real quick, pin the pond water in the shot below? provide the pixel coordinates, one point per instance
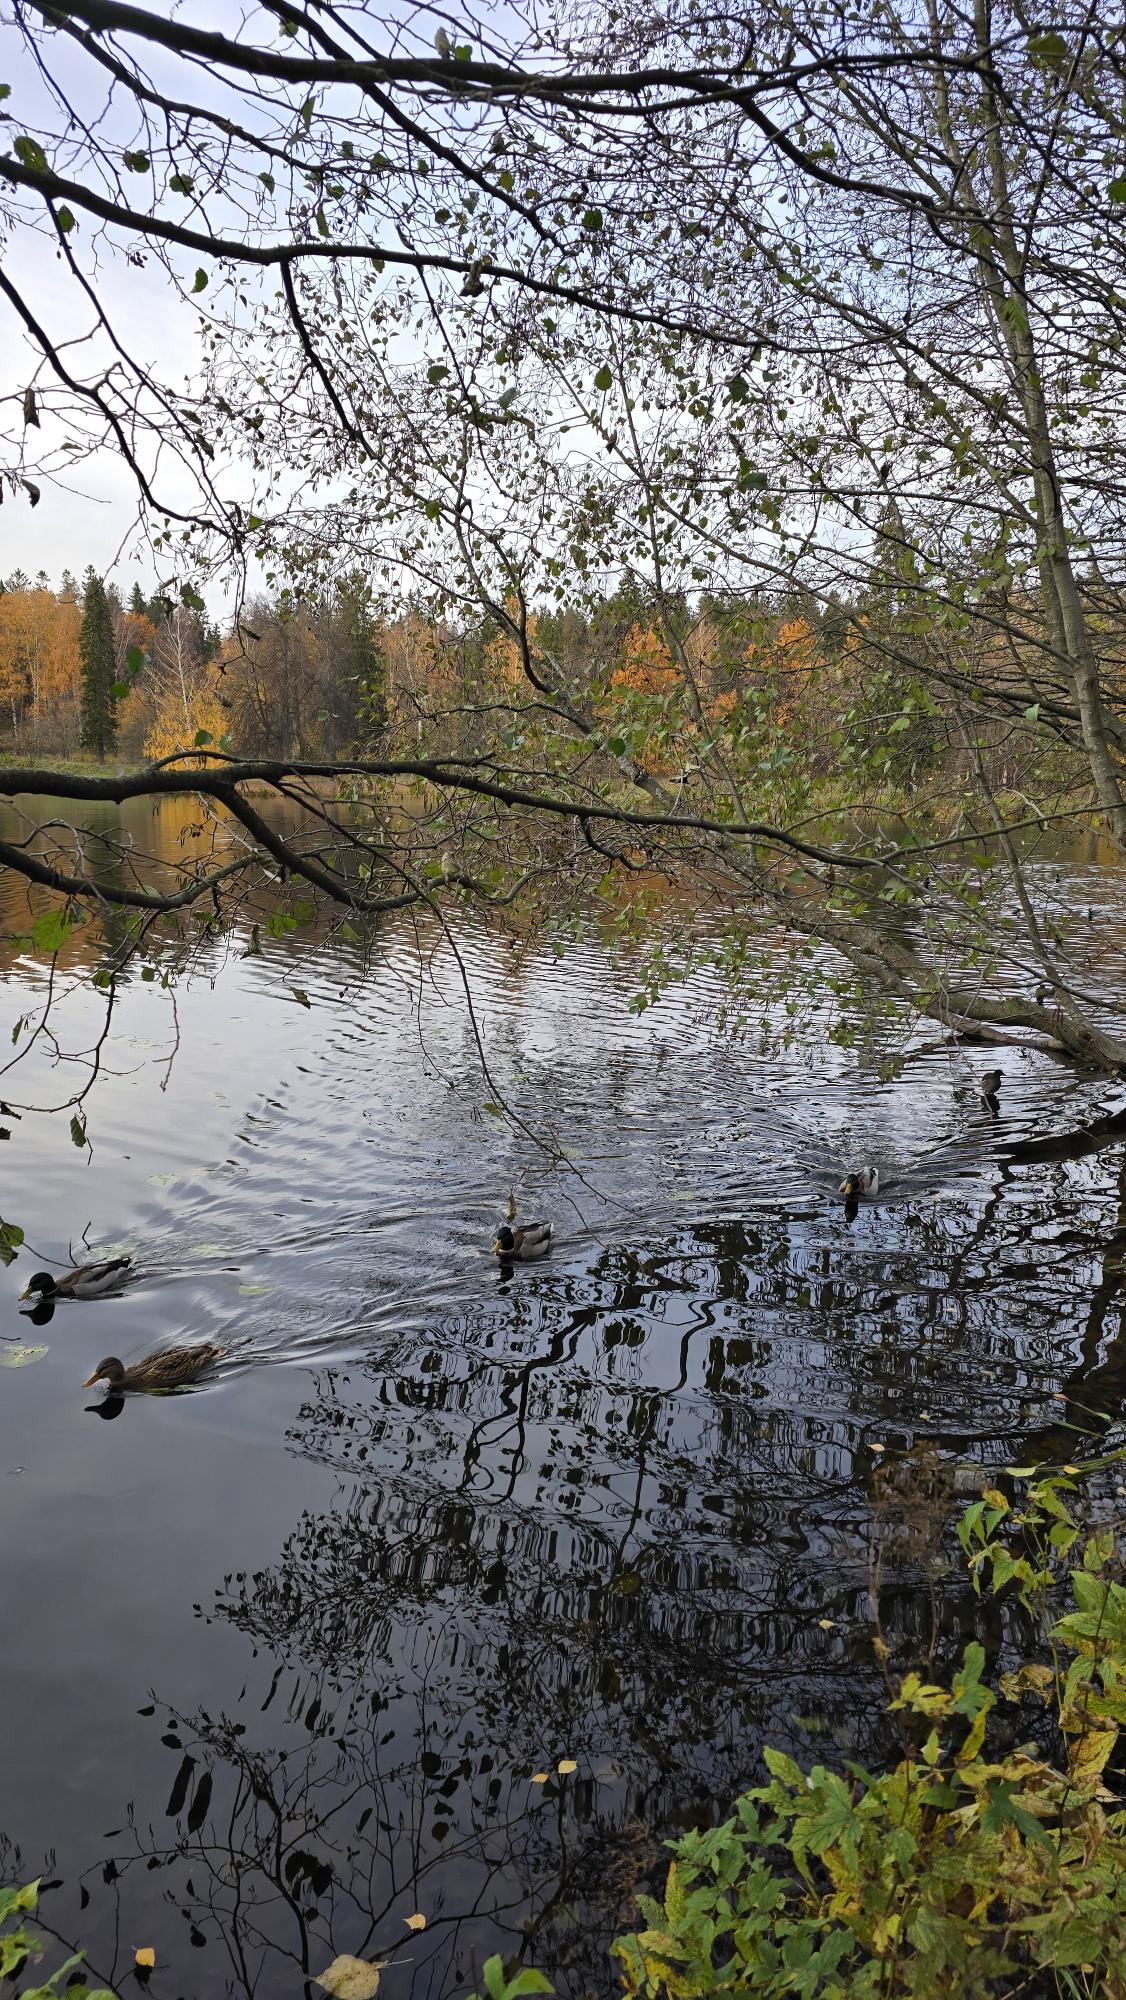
(286, 1657)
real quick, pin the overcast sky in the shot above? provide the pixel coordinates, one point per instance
(89, 515)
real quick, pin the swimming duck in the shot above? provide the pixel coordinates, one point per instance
(173, 1369)
(865, 1180)
(521, 1246)
(990, 1083)
(88, 1281)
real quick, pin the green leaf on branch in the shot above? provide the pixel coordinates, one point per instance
(604, 379)
(22, 1897)
(51, 930)
(78, 1130)
(30, 153)
(11, 1236)
(200, 284)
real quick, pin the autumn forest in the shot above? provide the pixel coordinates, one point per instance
(797, 691)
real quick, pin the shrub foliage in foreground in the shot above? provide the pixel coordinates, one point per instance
(958, 1872)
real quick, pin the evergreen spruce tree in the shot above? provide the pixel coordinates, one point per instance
(360, 655)
(138, 603)
(99, 671)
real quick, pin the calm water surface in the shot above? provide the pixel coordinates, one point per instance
(282, 1657)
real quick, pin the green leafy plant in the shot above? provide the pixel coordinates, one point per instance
(20, 1949)
(962, 1870)
(499, 1986)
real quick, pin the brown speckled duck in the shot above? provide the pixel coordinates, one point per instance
(173, 1369)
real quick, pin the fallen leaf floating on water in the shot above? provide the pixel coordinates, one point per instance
(827, 1624)
(18, 1357)
(539, 1777)
(145, 1957)
(417, 1922)
(879, 1447)
(565, 1766)
(350, 1978)
(303, 1000)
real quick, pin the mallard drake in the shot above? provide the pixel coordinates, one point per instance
(88, 1281)
(522, 1246)
(990, 1083)
(172, 1369)
(865, 1180)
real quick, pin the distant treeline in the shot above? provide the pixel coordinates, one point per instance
(782, 681)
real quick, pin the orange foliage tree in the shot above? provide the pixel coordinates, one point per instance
(39, 666)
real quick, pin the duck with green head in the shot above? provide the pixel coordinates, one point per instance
(86, 1281)
(522, 1246)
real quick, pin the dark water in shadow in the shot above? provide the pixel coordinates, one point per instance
(284, 1657)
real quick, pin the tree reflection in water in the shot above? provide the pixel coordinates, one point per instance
(626, 1520)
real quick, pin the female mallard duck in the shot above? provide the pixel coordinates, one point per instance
(88, 1281)
(990, 1083)
(522, 1246)
(173, 1369)
(865, 1180)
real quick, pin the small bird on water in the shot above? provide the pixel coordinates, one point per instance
(173, 1369)
(522, 1246)
(88, 1281)
(990, 1082)
(865, 1180)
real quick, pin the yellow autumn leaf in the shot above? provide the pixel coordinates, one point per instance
(417, 1922)
(565, 1766)
(827, 1624)
(993, 1498)
(350, 1978)
(879, 1447)
(145, 1957)
(540, 1777)
(1090, 1753)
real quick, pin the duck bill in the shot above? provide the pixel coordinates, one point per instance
(27, 1293)
(848, 1187)
(498, 1248)
(91, 1382)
